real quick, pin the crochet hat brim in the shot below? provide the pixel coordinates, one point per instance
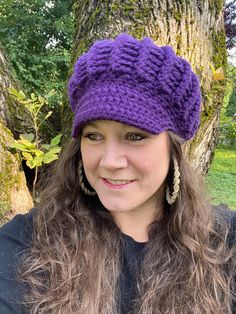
(109, 102)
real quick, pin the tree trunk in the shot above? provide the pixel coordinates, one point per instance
(194, 29)
(14, 194)
(14, 115)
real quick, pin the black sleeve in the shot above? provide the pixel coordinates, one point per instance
(15, 239)
(232, 235)
(232, 243)
(230, 217)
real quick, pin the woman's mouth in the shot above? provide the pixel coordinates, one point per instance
(116, 184)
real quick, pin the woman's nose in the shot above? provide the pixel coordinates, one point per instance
(113, 158)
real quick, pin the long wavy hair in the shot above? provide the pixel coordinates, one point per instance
(75, 259)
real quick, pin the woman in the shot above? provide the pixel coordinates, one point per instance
(123, 225)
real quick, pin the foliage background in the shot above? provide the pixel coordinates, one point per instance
(38, 35)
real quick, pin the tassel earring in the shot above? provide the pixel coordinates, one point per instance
(81, 182)
(171, 198)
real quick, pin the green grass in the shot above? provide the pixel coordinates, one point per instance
(221, 178)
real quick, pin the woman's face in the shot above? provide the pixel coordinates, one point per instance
(125, 165)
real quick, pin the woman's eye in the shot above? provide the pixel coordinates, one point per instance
(92, 136)
(97, 137)
(136, 137)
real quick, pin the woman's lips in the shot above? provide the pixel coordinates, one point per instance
(117, 185)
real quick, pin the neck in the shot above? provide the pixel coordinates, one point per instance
(135, 222)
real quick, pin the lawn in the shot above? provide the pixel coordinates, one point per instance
(221, 178)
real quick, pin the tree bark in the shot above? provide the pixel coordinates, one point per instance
(194, 28)
(14, 115)
(14, 194)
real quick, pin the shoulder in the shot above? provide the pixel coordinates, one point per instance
(18, 230)
(229, 216)
(15, 239)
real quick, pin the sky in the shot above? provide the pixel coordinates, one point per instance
(232, 56)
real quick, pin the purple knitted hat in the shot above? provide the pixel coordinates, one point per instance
(137, 83)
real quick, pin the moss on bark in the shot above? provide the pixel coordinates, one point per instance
(12, 179)
(216, 6)
(15, 116)
(220, 55)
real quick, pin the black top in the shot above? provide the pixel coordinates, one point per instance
(127, 280)
(15, 238)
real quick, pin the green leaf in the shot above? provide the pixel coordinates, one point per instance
(33, 96)
(38, 161)
(56, 140)
(30, 164)
(38, 152)
(19, 95)
(54, 150)
(29, 137)
(27, 143)
(51, 93)
(49, 158)
(48, 115)
(19, 147)
(212, 68)
(13, 91)
(41, 99)
(45, 146)
(27, 156)
(30, 107)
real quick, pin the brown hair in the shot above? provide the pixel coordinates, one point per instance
(75, 260)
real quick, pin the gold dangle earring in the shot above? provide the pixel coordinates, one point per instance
(171, 198)
(81, 181)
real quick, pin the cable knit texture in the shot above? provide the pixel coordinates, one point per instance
(135, 82)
